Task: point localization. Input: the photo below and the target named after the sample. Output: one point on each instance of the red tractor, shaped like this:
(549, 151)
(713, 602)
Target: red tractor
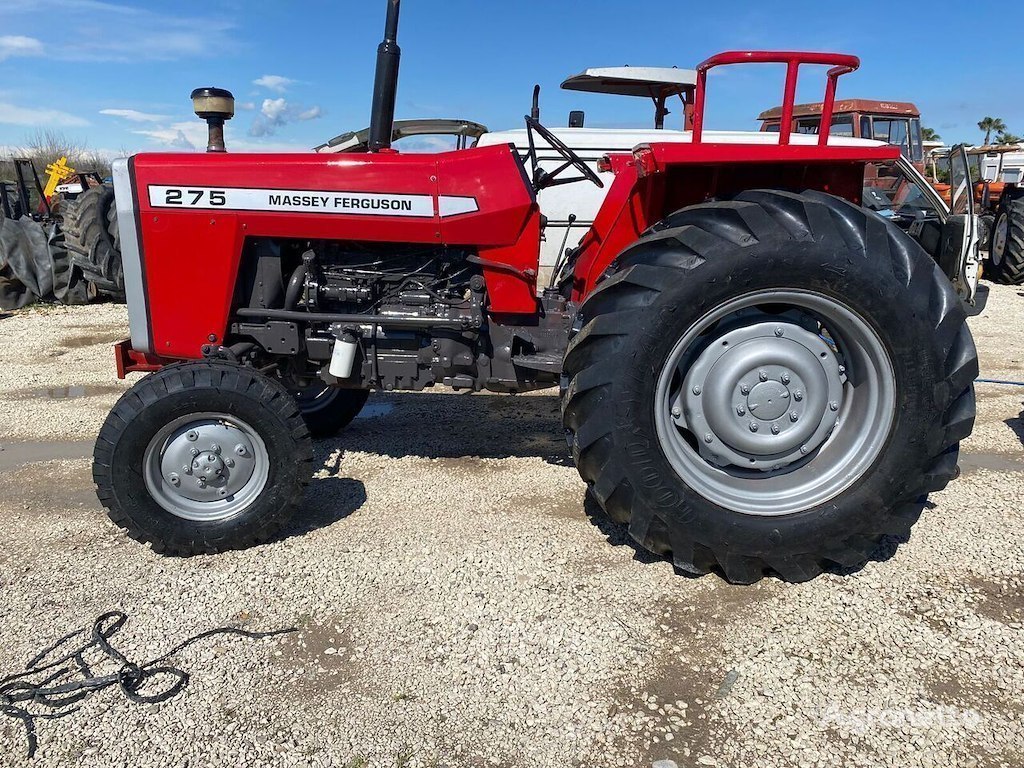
(757, 374)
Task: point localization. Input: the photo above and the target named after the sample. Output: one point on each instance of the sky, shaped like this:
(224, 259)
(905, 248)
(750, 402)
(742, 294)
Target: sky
(117, 75)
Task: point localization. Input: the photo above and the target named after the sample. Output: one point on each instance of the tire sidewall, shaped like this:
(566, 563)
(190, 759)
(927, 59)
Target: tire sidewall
(898, 318)
(128, 472)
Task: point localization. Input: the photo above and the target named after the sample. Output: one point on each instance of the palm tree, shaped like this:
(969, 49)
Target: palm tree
(929, 134)
(1006, 139)
(990, 124)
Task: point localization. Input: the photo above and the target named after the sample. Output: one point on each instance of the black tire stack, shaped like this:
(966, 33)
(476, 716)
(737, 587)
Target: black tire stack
(90, 226)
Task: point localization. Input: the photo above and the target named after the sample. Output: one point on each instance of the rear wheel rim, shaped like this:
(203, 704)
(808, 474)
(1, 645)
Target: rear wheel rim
(775, 402)
(999, 235)
(316, 398)
(206, 467)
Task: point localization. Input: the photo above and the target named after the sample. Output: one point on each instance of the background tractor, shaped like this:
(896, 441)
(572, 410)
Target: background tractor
(1000, 196)
(757, 374)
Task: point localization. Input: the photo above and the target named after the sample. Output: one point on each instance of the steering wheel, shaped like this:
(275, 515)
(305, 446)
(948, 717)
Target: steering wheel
(543, 179)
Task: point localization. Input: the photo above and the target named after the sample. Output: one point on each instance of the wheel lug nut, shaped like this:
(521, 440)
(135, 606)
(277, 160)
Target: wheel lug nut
(741, 411)
(842, 369)
(785, 378)
(803, 449)
(677, 412)
(762, 375)
(192, 436)
(744, 389)
(778, 332)
(794, 416)
(798, 395)
(187, 469)
(834, 405)
(240, 449)
(775, 429)
(696, 390)
(708, 437)
(201, 482)
(229, 462)
(215, 448)
(173, 479)
(194, 451)
(753, 426)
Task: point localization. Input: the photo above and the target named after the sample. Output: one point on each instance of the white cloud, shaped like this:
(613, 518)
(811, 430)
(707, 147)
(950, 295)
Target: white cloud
(246, 105)
(134, 115)
(18, 45)
(273, 109)
(38, 118)
(275, 83)
(110, 31)
(276, 113)
(187, 134)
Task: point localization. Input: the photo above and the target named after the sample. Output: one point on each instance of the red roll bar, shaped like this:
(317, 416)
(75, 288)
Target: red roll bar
(842, 64)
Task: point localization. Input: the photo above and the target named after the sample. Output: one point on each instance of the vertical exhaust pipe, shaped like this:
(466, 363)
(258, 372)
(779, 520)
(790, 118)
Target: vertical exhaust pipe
(385, 83)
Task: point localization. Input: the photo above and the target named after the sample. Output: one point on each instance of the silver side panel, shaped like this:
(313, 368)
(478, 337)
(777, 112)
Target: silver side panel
(131, 256)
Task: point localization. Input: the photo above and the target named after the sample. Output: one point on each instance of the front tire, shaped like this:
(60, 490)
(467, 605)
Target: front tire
(682, 385)
(202, 458)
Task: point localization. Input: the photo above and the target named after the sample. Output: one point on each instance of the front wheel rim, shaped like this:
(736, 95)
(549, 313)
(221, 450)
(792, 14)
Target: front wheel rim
(206, 467)
(775, 402)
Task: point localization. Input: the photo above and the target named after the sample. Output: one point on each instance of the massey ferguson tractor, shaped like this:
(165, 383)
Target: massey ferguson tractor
(757, 374)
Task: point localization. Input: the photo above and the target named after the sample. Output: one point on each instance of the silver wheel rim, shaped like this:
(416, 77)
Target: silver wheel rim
(999, 239)
(775, 402)
(206, 467)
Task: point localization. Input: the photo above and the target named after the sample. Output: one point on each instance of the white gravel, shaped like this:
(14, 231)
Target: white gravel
(458, 607)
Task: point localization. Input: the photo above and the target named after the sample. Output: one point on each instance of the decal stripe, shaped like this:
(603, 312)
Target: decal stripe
(307, 201)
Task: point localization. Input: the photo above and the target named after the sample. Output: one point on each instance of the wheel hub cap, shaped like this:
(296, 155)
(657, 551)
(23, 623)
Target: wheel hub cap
(205, 467)
(766, 395)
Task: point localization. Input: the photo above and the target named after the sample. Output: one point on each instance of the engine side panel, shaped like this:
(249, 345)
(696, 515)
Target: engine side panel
(195, 212)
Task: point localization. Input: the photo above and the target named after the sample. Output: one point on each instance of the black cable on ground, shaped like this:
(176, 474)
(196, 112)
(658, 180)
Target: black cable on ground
(59, 683)
(1000, 381)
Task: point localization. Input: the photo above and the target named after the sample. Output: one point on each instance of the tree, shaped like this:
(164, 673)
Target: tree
(990, 125)
(1006, 139)
(929, 134)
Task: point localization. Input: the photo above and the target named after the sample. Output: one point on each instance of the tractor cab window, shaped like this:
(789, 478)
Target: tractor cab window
(902, 132)
(842, 125)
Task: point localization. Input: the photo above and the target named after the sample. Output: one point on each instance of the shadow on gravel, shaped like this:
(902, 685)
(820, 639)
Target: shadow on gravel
(618, 535)
(458, 426)
(328, 500)
(1017, 425)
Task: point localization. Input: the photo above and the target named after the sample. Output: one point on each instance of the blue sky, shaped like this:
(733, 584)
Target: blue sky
(118, 74)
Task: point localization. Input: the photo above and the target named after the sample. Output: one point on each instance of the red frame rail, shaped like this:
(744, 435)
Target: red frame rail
(841, 64)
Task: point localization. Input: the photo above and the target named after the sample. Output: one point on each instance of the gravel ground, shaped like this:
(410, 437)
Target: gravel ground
(458, 602)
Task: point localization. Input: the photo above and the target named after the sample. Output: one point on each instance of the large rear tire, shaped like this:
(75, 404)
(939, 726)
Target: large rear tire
(201, 458)
(769, 385)
(1006, 246)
